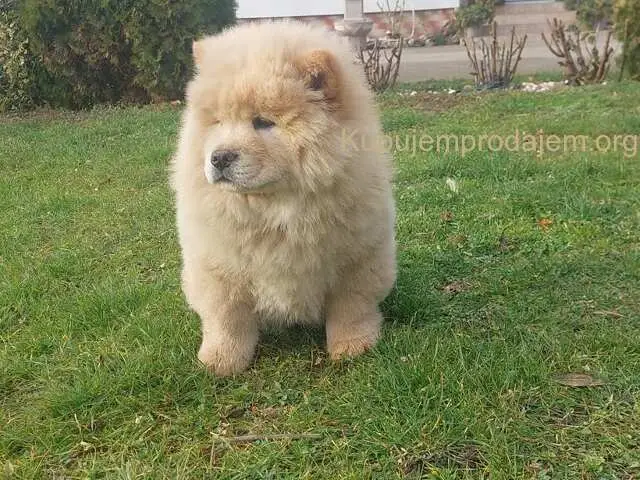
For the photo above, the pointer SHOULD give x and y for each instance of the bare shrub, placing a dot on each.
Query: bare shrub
(381, 62)
(381, 57)
(497, 63)
(580, 56)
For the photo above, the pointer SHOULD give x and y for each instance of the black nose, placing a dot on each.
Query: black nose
(221, 159)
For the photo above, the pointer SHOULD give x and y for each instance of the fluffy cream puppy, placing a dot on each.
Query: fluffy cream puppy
(284, 205)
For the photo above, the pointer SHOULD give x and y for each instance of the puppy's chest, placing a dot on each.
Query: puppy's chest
(291, 275)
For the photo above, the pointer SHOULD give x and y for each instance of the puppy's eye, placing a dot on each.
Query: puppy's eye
(260, 123)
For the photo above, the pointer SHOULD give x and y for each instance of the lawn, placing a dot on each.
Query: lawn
(530, 271)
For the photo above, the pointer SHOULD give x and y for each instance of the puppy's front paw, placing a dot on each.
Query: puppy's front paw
(352, 346)
(226, 359)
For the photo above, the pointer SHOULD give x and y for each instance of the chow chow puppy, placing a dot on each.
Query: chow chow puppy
(284, 205)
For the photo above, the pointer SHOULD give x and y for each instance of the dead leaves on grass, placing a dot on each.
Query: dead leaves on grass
(457, 240)
(446, 216)
(456, 287)
(269, 437)
(465, 456)
(504, 244)
(545, 224)
(432, 101)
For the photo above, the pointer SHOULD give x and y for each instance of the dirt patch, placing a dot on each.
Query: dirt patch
(432, 102)
(442, 102)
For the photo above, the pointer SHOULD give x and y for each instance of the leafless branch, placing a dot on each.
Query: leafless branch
(393, 10)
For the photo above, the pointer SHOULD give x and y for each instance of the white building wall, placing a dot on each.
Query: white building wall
(300, 8)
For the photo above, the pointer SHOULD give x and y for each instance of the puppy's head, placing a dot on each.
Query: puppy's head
(270, 107)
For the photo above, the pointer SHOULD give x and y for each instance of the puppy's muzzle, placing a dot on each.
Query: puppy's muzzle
(222, 159)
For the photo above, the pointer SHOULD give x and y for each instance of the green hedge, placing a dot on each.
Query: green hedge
(18, 68)
(592, 13)
(627, 17)
(107, 51)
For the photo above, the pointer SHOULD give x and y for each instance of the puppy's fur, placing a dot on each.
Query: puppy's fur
(284, 205)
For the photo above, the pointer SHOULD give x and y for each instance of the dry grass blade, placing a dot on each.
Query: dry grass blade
(609, 313)
(577, 380)
(271, 437)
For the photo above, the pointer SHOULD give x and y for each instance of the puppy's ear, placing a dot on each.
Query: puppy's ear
(321, 72)
(196, 49)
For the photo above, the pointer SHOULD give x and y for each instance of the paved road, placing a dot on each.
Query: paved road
(449, 62)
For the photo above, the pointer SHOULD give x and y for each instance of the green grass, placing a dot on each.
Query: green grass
(98, 377)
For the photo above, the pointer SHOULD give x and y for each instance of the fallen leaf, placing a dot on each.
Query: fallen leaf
(505, 244)
(457, 239)
(545, 223)
(446, 216)
(317, 359)
(270, 412)
(86, 446)
(578, 380)
(234, 412)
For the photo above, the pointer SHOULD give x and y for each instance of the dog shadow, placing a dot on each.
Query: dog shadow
(290, 339)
